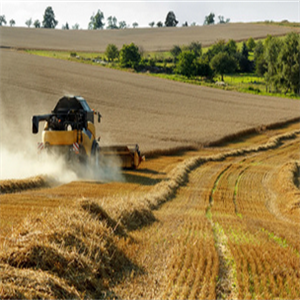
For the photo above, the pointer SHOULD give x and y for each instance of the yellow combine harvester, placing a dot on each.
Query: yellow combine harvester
(70, 131)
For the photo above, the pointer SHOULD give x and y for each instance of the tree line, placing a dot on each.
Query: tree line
(275, 59)
(278, 60)
(97, 21)
(189, 61)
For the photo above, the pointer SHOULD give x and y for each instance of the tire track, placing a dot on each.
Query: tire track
(226, 286)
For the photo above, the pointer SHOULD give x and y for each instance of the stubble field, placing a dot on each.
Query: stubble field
(221, 221)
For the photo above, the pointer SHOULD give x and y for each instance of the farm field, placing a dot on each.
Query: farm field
(150, 39)
(153, 112)
(220, 222)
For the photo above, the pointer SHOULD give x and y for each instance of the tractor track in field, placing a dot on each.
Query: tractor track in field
(225, 286)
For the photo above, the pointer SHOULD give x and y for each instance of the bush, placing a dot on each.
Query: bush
(252, 89)
(111, 52)
(223, 63)
(204, 69)
(151, 62)
(195, 47)
(73, 54)
(187, 64)
(130, 56)
(175, 51)
(251, 44)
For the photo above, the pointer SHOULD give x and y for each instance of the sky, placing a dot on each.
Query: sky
(143, 12)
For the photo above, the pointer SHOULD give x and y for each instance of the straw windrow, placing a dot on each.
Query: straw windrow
(18, 185)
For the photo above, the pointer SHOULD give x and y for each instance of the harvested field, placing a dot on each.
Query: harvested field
(150, 39)
(213, 212)
(202, 224)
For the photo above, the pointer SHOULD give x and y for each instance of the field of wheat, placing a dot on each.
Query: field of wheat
(213, 212)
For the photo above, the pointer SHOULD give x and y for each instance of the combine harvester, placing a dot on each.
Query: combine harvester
(69, 131)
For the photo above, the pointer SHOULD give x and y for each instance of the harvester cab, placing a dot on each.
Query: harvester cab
(70, 131)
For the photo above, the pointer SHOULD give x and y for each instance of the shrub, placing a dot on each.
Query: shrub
(130, 56)
(111, 52)
(251, 44)
(175, 51)
(223, 63)
(187, 64)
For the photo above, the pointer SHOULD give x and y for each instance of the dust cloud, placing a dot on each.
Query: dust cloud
(19, 157)
(20, 165)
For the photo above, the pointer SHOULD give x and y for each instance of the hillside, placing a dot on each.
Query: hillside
(155, 113)
(150, 39)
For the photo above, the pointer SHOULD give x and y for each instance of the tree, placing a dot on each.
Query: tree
(195, 47)
(159, 24)
(129, 56)
(2, 20)
(218, 47)
(171, 20)
(185, 24)
(151, 24)
(49, 18)
(37, 24)
(259, 60)
(272, 49)
(210, 19)
(175, 51)
(243, 59)
(223, 63)
(112, 23)
(288, 61)
(221, 20)
(135, 24)
(122, 24)
(111, 52)
(28, 22)
(204, 69)
(251, 44)
(96, 20)
(75, 26)
(187, 64)
(231, 47)
(66, 27)
(12, 22)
